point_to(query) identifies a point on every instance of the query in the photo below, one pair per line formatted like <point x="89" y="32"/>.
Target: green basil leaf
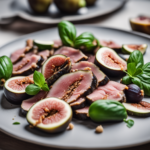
<point x="144" y="78"/>
<point x="138" y="72"/>
<point x="137" y="58"/>
<point x="146" y="88"/>
<point x="131" y="68"/>
<point x="38" y="78"/>
<point x="129" y="122"/>
<point x="67" y="33"/>
<point x="137" y="81"/>
<point x="16" y="123"/>
<point x="45" y="87"/>
<point x="146" y="68"/>
<point x="86" y="41"/>
<point x="126" y="80"/>
<point x="32" y="89"/>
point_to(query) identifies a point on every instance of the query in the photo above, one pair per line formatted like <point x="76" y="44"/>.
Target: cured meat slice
<point x="102" y="79"/>
<point x="26" y="104"/>
<point x="72" y="86"/>
<point x="82" y="113"/>
<point x="18" y="54"/>
<point x="80" y="103"/>
<point x="56" y="66"/>
<point x="91" y="58"/>
<point x="57" y="44"/>
<point x="27" y="65"/>
<point x="75" y="55"/>
<point x="112" y="90"/>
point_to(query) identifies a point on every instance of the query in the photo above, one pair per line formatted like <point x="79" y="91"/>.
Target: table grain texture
<point x="118" y="19"/>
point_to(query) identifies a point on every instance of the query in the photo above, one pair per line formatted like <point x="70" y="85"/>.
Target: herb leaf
<point x="129" y="122"/>
<point x="67" y="33"/>
<point x="146" y="68"/>
<point x="137" y="81"/>
<point x="131" y="68"/>
<point x="146" y="88"/>
<point x="38" y="78"/>
<point x="137" y="58"/>
<point x="138" y="71"/>
<point x="45" y="87"/>
<point x="86" y="41"/>
<point x="16" y="123"/>
<point x="32" y="89"/>
<point x="126" y="80"/>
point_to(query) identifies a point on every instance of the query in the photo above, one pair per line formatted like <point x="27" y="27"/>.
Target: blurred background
<point x="20" y="17"/>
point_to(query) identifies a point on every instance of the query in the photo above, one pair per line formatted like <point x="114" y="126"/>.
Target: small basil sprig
<point x="129" y="122"/>
<point x="67" y="33"/>
<point x="137" y="72"/>
<point x="86" y="42"/>
<point x="39" y="83"/>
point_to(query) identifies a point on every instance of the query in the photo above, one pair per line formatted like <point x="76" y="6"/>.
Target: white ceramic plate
<point x="13" y="8"/>
<point x="115" y="135"/>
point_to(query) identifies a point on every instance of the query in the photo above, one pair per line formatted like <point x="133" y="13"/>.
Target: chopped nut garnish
<point x="142" y="92"/>
<point x="126" y="88"/>
<point x="70" y="126"/>
<point x="99" y="129"/>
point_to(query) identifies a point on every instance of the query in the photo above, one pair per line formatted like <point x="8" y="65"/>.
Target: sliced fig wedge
<point x="129" y="48"/>
<point x="27" y="65"/>
<point x="50" y="115"/>
<point x="75" y="55"/>
<point x="110" y="62"/>
<point x="102" y="79"/>
<point x="82" y="113"/>
<point x="112" y="90"/>
<point x="18" y="54"/>
<point x="56" y="66"/>
<point x="72" y="86"/>
<point x="80" y="103"/>
<point x="141" y="109"/>
<point x="14" y="89"/>
<point x="28" y="103"/>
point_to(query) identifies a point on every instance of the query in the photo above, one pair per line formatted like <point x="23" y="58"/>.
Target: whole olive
<point x="134" y="94"/>
<point x="40" y="6"/>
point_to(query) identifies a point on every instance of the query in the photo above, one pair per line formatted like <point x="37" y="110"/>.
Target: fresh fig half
<point x="129" y="48"/>
<point x="28" y="103"/>
<point x="110" y="44"/>
<point x="56" y="66"/>
<point x="112" y="90"/>
<point x="80" y="103"/>
<point x="110" y="62"/>
<point x="50" y="115"/>
<point x="14" y="89"/>
<point x="102" y="79"/>
<point x="71" y="86"/>
<point x="141" y="24"/>
<point x="27" y="65"/>
<point x="141" y="109"/>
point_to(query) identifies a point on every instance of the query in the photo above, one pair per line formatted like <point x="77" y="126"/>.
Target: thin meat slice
<point x="26" y="104"/>
<point x="57" y="44"/>
<point x="18" y="54"/>
<point x="75" y="55"/>
<point x="45" y="54"/>
<point x="91" y="58"/>
<point x="102" y="79"/>
<point x="27" y="65"/>
<point x="82" y="113"/>
<point x="112" y="90"/>
<point x="72" y="86"/>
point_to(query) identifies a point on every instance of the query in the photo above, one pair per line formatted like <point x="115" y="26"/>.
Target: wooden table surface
<point x="118" y="19"/>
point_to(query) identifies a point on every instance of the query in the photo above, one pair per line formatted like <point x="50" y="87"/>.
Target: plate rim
<point x="75" y="147"/>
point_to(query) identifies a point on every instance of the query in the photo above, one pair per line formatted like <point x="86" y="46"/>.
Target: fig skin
<point x="134" y="94"/>
<point x="40" y="6"/>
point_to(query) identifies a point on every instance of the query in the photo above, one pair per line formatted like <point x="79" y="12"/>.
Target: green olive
<point x="69" y="6"/>
<point x="107" y="110"/>
<point x="40" y="6"/>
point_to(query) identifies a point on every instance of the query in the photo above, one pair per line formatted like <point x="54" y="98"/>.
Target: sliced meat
<point x="26" y="104"/>
<point x="75" y="55"/>
<point x="45" y="54"/>
<point x="82" y="113"/>
<point x="112" y="90"/>
<point x="80" y="103"/>
<point x="18" y="54"/>
<point x="27" y="65"/>
<point x="72" y="86"/>
<point x="57" y="44"/>
<point x="91" y="58"/>
<point x="102" y="79"/>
